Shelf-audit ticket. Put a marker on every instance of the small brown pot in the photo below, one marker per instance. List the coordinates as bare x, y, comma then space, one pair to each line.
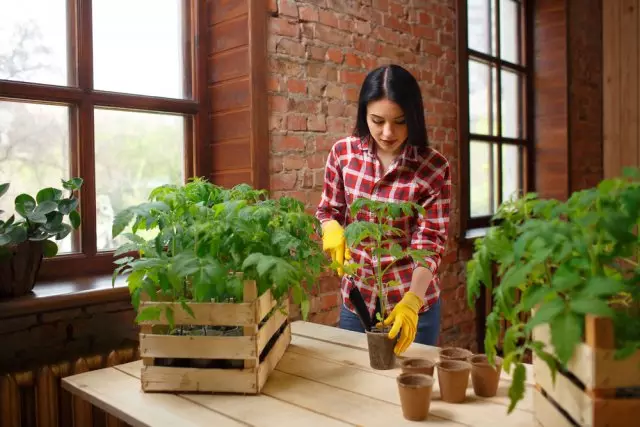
453, 378
418, 365
455, 353
19, 270
415, 395
484, 376
381, 355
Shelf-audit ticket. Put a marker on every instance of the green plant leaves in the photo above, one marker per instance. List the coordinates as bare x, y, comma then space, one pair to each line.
25, 204
546, 313
49, 248
591, 306
4, 188
516, 391
566, 333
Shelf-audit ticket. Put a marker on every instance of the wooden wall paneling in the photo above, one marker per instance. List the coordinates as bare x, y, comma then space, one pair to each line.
621, 30
237, 91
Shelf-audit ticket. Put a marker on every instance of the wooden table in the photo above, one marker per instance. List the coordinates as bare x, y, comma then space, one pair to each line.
324, 379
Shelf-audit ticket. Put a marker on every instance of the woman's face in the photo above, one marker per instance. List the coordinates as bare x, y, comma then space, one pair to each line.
387, 126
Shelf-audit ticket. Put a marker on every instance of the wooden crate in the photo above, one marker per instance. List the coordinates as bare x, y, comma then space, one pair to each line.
266, 334
593, 392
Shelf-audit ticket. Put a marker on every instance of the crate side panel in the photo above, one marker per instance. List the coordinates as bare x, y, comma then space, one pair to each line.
274, 356
157, 378
213, 314
198, 347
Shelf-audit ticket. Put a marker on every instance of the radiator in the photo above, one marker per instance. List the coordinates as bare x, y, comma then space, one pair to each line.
35, 398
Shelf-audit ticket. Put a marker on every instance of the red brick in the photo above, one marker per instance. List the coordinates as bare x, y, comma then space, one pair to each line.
317, 123
273, 6
281, 143
284, 181
296, 86
294, 162
382, 5
283, 27
288, 8
317, 52
335, 55
296, 122
308, 13
278, 103
329, 18
290, 47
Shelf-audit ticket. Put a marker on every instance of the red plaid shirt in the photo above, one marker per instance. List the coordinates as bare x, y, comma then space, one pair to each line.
352, 171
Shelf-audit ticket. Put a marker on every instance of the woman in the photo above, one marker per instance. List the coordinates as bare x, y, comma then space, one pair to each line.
388, 158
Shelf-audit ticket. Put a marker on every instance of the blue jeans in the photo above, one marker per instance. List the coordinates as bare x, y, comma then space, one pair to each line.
428, 324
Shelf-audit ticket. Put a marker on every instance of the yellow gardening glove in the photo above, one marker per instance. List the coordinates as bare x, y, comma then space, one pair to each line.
333, 241
404, 317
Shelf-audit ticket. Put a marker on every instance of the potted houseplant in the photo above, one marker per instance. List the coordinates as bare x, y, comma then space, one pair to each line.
558, 264
200, 243
379, 239
28, 234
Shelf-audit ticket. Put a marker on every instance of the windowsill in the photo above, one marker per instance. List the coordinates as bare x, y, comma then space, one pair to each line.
475, 233
64, 294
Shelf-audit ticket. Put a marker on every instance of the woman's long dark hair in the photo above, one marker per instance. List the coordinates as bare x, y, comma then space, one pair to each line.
396, 84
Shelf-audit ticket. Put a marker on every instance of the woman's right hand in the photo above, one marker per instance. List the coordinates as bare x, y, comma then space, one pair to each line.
333, 241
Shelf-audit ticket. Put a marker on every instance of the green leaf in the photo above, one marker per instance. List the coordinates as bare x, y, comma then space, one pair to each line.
546, 313
72, 184
24, 204
74, 217
593, 306
168, 312
187, 309
566, 333
65, 206
48, 194
49, 248
305, 306
149, 313
46, 207
121, 221
565, 278
534, 295
516, 391
600, 286
4, 188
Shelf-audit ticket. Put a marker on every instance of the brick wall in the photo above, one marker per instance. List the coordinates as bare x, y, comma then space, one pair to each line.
59, 335
319, 53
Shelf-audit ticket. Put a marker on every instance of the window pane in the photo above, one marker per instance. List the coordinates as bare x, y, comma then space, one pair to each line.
509, 37
482, 105
511, 185
33, 41
479, 17
135, 152
511, 105
34, 154
482, 178
138, 47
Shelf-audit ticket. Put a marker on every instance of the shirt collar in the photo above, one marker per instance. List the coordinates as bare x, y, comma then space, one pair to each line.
409, 152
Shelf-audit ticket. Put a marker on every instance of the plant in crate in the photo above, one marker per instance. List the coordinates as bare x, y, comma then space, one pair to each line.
26, 240
209, 244
380, 239
558, 264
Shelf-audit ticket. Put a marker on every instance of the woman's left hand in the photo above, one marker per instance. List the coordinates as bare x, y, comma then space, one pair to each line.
404, 317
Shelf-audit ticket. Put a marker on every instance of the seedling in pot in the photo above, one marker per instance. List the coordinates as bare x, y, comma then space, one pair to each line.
379, 238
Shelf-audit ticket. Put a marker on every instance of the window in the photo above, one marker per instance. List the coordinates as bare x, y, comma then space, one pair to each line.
112, 91
496, 139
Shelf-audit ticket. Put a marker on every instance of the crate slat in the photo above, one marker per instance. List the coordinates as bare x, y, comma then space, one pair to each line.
270, 327
276, 353
266, 303
224, 314
198, 347
546, 413
159, 378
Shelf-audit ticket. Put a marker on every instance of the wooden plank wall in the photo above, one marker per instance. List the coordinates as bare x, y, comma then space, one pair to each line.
237, 92
621, 34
